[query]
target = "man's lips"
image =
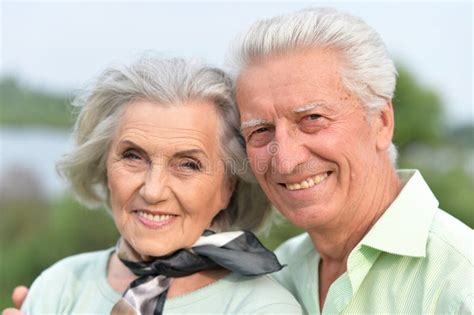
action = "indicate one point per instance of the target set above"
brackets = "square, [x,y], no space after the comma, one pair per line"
[307,182]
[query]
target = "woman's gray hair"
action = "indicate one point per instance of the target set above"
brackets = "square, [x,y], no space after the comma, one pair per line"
[368,70]
[165,82]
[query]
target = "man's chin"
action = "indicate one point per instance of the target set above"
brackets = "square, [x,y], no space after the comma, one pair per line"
[307,218]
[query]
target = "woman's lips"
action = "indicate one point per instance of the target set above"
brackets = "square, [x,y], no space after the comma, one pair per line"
[154,220]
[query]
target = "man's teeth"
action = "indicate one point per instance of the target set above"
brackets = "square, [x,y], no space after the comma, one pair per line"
[156,218]
[307,183]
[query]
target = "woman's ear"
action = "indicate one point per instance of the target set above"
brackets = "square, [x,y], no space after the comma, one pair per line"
[231,188]
[233,182]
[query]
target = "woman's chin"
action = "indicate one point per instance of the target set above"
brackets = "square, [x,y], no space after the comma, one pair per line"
[147,251]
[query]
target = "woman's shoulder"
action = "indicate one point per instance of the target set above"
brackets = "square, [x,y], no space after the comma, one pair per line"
[295,249]
[237,294]
[80,267]
[260,284]
[64,279]
[80,263]
[264,295]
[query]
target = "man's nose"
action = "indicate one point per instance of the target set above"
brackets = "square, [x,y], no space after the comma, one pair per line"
[288,151]
[155,185]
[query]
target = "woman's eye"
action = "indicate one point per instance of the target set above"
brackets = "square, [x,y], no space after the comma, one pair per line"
[131,155]
[190,165]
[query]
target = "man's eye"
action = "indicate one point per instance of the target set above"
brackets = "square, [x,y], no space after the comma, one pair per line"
[313,117]
[261,136]
[312,123]
[261,130]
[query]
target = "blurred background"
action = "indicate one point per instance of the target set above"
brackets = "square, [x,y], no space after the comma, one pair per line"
[50,50]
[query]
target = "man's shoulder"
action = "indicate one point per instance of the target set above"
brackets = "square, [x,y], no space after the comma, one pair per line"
[295,248]
[449,259]
[452,237]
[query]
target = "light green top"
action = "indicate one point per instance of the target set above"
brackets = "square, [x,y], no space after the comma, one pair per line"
[78,285]
[416,259]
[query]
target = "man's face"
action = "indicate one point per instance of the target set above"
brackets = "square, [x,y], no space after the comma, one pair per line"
[308,138]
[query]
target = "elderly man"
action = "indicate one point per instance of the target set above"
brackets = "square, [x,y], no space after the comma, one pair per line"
[314,90]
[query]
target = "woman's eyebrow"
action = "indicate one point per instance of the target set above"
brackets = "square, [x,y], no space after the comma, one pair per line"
[127,142]
[191,152]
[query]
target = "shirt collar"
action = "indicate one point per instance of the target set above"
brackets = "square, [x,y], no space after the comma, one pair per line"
[403,228]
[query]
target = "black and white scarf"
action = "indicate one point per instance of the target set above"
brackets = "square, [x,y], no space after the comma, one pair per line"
[240,252]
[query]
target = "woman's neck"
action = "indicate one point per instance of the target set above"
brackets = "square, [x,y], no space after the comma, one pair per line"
[120,277]
[183,285]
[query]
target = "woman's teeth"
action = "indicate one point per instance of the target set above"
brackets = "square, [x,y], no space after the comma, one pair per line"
[156,218]
[307,183]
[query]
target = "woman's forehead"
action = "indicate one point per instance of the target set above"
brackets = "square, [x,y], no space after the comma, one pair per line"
[182,125]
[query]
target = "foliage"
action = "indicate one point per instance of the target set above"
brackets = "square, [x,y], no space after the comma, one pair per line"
[462,136]
[418,113]
[20,105]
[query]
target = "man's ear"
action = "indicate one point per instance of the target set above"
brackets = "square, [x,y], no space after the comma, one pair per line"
[385,124]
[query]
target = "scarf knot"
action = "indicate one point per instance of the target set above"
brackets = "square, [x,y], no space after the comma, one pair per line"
[240,252]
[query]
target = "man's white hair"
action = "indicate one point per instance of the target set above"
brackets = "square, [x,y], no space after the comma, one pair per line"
[367,70]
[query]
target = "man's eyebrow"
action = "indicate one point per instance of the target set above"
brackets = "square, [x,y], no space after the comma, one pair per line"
[253,122]
[307,107]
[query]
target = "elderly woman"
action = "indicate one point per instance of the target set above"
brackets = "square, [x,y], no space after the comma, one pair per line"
[158,143]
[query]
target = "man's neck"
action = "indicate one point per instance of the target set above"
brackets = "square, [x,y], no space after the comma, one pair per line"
[336,241]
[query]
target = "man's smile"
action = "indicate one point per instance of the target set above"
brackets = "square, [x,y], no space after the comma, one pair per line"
[307,182]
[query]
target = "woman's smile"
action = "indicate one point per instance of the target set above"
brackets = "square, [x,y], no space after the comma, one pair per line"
[155,221]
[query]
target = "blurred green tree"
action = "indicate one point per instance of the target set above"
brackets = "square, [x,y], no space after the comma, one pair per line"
[22,105]
[419,113]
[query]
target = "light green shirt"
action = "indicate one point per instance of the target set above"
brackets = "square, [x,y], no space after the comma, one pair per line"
[78,285]
[416,259]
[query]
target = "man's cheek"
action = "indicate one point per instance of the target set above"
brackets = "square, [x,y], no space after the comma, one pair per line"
[260,161]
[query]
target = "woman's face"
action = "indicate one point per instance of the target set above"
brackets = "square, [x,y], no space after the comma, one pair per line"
[166,175]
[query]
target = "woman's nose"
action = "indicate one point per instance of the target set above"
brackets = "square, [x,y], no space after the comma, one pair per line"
[154,188]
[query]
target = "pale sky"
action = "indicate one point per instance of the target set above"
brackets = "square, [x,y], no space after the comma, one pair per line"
[61,45]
